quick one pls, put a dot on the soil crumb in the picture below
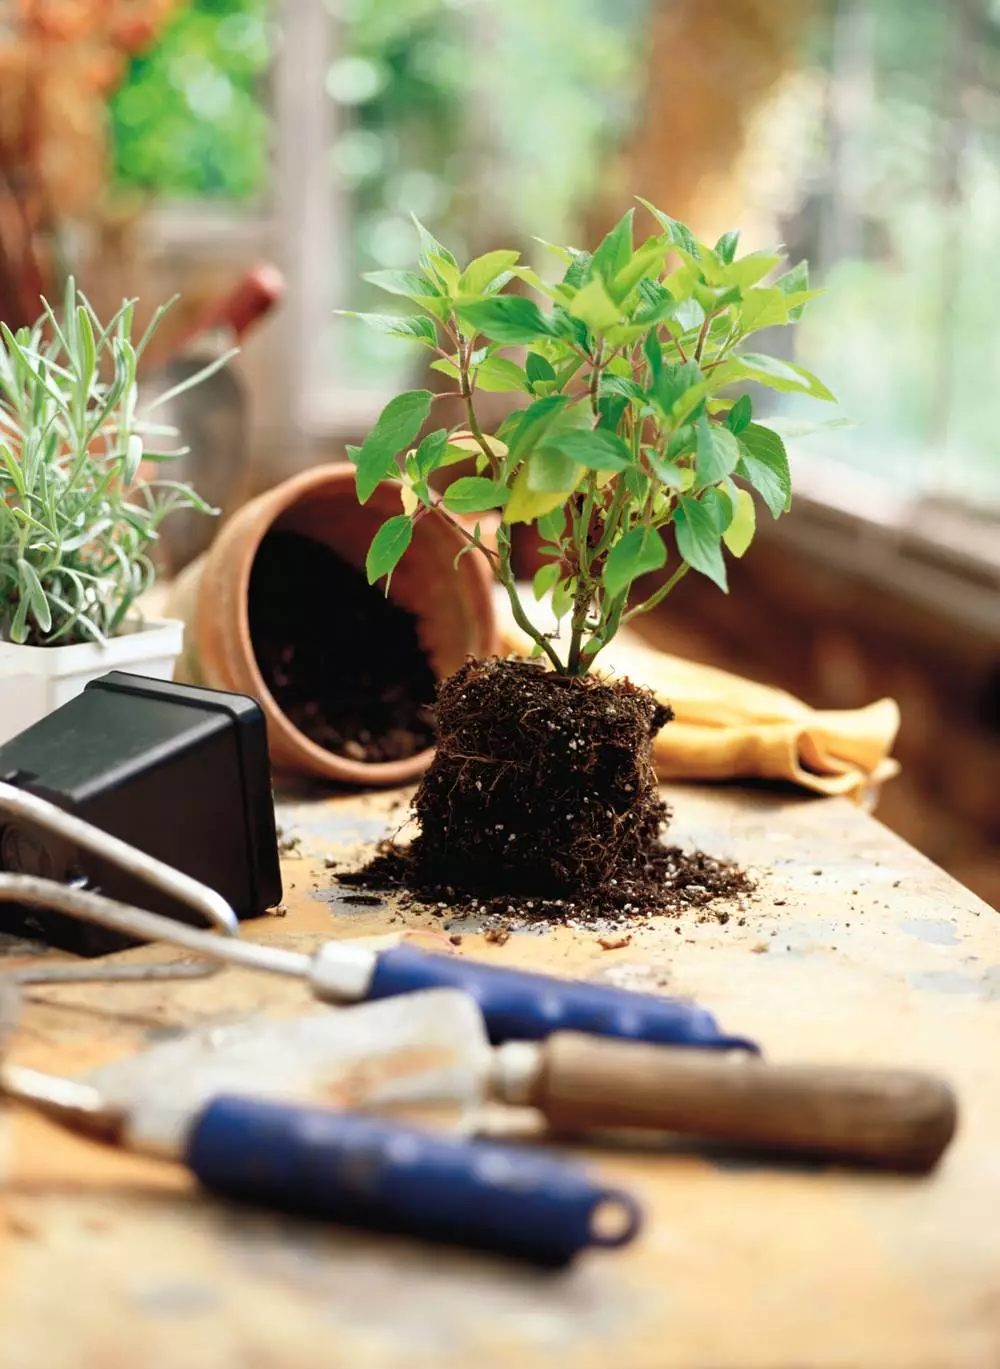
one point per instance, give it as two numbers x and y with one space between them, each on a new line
342 661
542 805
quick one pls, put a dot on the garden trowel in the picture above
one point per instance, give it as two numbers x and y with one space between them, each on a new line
430 1050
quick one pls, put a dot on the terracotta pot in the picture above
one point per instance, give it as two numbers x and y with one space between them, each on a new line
453 607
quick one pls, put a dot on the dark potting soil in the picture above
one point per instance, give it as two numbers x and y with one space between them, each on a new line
342 661
542 803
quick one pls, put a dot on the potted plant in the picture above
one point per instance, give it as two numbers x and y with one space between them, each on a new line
634 454
76 518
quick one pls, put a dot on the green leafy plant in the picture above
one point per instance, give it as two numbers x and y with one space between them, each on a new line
634 426
76 518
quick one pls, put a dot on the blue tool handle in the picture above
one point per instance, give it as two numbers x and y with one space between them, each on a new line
518 1005
367 1172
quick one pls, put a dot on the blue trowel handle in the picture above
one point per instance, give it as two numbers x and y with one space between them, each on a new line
367 1172
518 1005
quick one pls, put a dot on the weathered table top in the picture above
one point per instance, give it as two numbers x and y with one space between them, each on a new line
856 950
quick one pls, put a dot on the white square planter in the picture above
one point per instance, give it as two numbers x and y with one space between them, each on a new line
36 680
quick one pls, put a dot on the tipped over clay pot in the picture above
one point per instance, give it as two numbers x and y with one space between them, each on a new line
452 606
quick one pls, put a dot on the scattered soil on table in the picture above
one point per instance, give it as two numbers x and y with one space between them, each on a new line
542 805
343 662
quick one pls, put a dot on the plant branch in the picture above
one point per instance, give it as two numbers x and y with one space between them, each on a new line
660 594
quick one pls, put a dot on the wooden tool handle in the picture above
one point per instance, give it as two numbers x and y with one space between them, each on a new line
892 1118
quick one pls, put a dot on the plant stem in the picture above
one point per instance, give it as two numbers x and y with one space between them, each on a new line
660 594
464 353
505 575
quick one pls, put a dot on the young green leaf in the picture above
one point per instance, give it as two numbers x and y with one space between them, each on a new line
725 248
763 307
615 251
748 270
413 327
398 424
475 494
716 452
545 579
699 541
432 453
598 449
619 385
552 525
640 551
764 465
406 283
499 375
739 415
647 261
595 307
388 547
506 318
539 371
782 375
481 274
677 234
674 382
739 534
652 350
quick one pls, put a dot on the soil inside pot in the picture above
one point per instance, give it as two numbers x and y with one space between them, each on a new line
343 662
543 789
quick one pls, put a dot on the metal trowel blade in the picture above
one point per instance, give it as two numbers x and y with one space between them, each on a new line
424 1048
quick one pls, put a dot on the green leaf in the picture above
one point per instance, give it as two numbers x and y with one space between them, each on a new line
739 415
640 551
595 307
688 315
725 248
481 273
387 548
499 375
413 327
794 280
782 375
432 453
550 469
719 506
506 318
699 541
674 477
538 370
763 308
397 426
429 245
615 250
682 441
475 494
578 269
717 452
562 597
598 449
523 430
406 283
619 385
678 235
764 465
674 382
648 260
552 525
545 579
750 269
740 532
653 352
34 594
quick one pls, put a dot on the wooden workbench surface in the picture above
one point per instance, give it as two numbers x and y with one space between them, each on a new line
856 950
